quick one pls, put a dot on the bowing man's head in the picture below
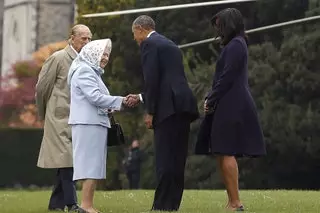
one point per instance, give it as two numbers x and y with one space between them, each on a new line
141 27
228 24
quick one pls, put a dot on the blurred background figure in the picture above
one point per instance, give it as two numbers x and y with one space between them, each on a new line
132 165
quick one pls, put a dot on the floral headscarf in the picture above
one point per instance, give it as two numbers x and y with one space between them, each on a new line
91 54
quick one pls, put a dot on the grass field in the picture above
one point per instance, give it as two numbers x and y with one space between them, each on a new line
193 201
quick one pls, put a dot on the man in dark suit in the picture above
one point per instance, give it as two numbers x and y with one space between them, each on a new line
170 108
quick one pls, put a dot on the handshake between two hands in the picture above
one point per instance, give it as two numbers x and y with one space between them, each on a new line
131 100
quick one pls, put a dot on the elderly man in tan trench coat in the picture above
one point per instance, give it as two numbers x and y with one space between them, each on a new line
53 100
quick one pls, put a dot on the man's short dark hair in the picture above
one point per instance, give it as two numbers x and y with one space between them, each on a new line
146 22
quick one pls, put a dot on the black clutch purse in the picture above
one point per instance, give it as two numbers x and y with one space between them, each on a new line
115 133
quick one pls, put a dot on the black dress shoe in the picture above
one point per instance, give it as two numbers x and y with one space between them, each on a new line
73 208
76 208
164 210
81 210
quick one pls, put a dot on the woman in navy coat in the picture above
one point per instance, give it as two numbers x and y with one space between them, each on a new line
231 127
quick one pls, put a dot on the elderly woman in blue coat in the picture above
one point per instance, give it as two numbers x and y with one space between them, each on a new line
89 107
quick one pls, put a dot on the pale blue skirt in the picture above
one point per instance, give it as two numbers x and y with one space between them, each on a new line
89 143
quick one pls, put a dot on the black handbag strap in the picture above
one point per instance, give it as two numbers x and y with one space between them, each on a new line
112 121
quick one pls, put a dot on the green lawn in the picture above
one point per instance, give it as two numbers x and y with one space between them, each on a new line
193 201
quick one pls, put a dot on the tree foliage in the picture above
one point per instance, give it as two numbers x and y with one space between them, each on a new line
17 92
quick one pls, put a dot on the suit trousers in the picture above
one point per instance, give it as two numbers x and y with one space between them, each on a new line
64 191
171 149
134 179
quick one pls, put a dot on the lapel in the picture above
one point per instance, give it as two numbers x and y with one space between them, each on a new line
70 52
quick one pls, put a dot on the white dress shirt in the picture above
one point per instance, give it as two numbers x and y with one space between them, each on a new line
150 33
74 49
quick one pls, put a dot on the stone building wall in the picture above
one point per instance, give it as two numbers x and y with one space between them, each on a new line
30 24
55 19
19 32
1 26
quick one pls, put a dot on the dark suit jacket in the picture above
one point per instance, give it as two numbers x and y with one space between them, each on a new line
166 90
134 160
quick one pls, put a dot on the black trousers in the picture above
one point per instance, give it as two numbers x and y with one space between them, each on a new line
134 179
64 191
171 149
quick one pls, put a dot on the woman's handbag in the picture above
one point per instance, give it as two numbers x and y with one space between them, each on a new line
115 133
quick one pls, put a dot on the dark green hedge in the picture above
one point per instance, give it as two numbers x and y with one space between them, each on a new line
19 149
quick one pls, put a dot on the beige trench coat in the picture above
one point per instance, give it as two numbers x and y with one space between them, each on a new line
53 102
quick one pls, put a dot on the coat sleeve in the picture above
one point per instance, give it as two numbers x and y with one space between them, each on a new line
88 84
46 80
233 58
151 74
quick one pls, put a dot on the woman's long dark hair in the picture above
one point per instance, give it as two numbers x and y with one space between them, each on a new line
229 24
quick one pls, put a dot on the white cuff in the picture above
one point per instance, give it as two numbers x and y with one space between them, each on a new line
140 97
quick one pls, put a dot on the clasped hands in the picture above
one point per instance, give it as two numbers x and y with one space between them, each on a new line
131 100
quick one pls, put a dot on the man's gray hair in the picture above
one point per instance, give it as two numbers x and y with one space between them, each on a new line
146 22
76 29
